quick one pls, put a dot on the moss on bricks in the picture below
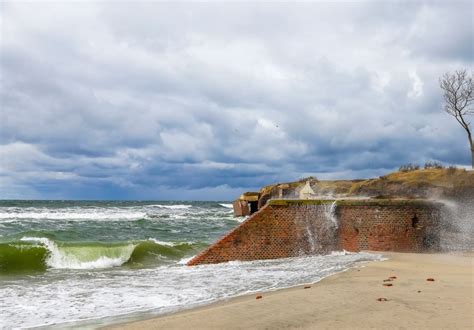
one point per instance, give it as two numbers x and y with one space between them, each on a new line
289 202
353 202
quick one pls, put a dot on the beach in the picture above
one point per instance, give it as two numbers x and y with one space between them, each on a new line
349 299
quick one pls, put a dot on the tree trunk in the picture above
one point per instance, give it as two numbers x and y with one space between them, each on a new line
471 143
472 155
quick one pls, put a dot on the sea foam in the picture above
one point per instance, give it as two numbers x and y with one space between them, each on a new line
172 207
73 214
82 296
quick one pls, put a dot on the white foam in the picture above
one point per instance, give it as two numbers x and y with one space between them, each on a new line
156 241
241 219
229 206
179 216
61 258
73 213
60 297
341 253
101 262
184 261
161 242
172 207
331 213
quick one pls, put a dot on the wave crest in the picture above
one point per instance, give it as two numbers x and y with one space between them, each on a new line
74 214
80 257
41 253
172 207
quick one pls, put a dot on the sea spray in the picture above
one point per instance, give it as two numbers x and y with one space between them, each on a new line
318 228
457 225
331 213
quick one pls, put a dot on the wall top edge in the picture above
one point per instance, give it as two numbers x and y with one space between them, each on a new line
353 202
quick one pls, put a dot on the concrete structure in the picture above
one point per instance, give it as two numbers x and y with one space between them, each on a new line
246 204
288 228
307 192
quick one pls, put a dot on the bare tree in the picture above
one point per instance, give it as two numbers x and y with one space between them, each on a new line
458 100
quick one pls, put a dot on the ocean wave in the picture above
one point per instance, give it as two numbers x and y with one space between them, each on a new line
74 214
59 299
241 219
185 261
228 206
83 257
41 253
161 242
172 207
158 242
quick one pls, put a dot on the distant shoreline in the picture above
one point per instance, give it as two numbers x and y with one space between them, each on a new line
349 300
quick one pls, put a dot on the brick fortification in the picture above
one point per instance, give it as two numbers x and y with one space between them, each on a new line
404 226
289 228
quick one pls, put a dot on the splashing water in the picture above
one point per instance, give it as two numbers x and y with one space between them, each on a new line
457 226
319 229
331 213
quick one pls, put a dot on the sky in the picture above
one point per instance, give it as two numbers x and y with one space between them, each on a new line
203 101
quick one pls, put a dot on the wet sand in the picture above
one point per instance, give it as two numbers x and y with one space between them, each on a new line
350 300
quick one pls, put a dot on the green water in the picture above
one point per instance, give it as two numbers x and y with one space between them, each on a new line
38 235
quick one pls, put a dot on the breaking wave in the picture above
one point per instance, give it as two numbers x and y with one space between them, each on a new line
172 207
41 253
74 214
90 213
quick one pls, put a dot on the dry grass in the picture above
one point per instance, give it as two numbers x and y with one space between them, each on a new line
419 179
436 177
417 183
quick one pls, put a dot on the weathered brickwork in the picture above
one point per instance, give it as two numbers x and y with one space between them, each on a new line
284 229
389 227
275 232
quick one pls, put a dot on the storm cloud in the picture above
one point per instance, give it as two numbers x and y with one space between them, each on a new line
204 100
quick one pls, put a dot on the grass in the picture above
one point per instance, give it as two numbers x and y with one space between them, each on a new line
415 183
417 179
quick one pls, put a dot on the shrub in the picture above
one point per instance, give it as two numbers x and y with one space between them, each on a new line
433 164
409 167
451 170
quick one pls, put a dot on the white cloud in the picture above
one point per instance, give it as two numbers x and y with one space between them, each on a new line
417 86
135 97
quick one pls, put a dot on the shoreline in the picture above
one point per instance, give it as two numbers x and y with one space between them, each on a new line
347 299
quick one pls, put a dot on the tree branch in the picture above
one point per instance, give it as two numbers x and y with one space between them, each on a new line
458 97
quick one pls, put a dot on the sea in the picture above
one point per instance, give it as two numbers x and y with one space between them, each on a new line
85 264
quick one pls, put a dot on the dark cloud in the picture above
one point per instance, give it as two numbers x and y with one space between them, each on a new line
202 101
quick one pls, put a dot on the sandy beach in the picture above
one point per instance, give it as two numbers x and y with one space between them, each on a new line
350 300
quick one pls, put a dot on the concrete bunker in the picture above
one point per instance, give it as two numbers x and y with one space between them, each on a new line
246 204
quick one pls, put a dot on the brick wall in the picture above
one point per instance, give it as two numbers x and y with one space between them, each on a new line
392 227
288 228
